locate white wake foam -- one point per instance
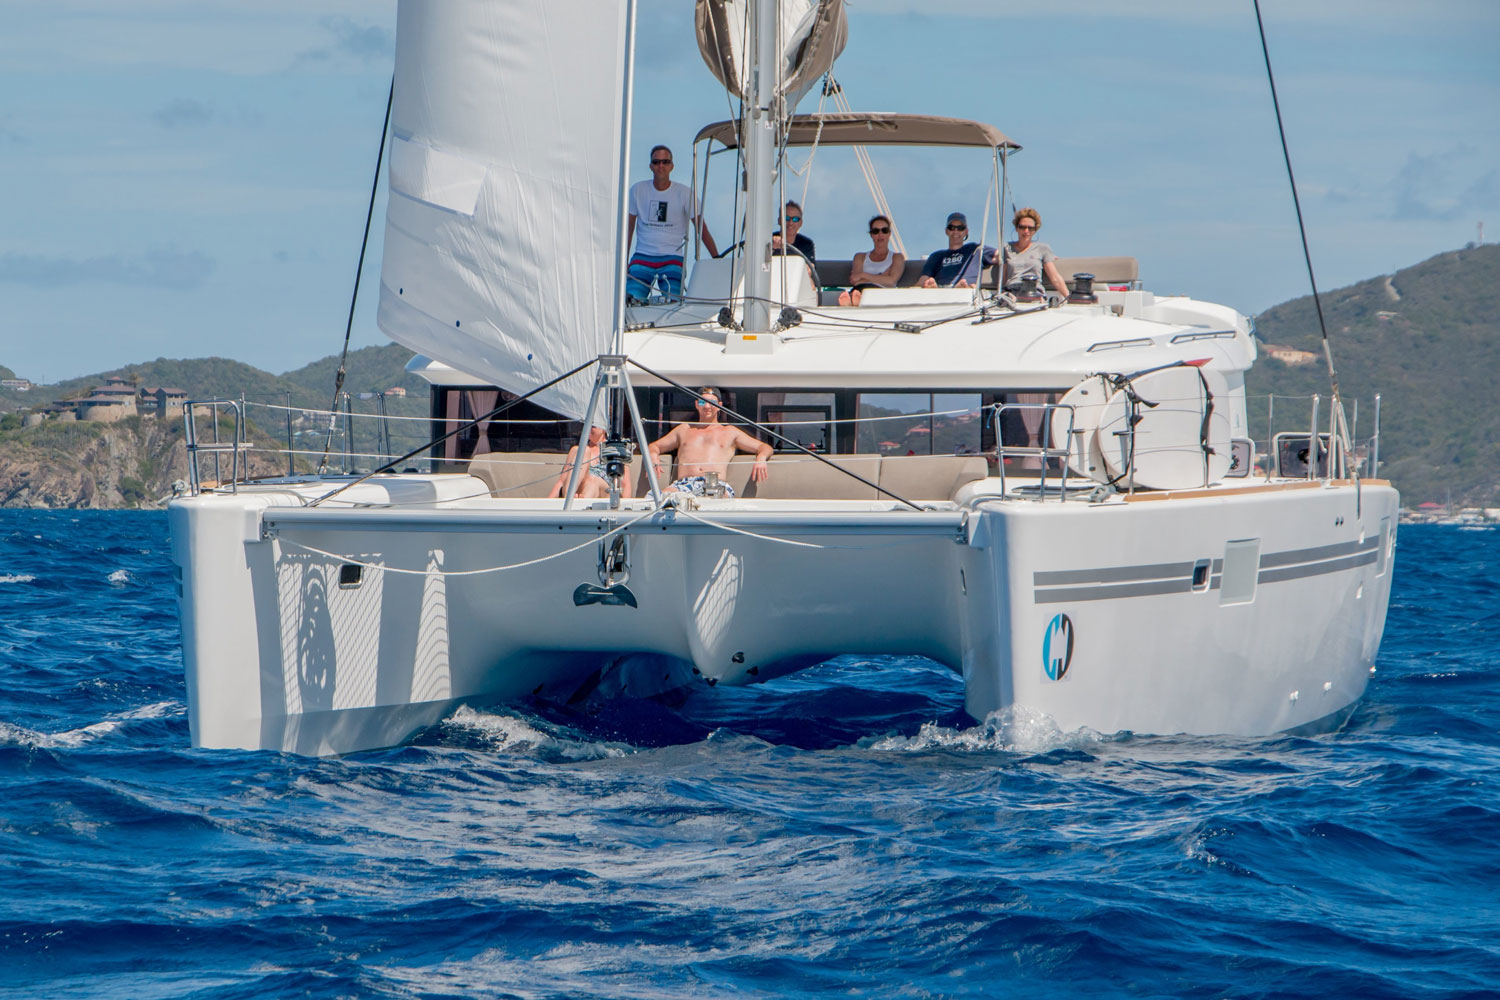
(1013, 730)
(16, 578)
(503, 729)
(120, 576)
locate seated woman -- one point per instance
(881, 267)
(1028, 258)
(593, 483)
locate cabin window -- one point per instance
(803, 417)
(920, 423)
(524, 427)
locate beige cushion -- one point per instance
(930, 477)
(794, 476)
(1106, 270)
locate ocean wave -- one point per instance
(16, 578)
(68, 738)
(15, 735)
(121, 576)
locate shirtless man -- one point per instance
(707, 446)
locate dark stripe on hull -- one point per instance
(1155, 579)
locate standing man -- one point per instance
(663, 209)
(957, 266)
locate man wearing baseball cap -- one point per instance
(958, 266)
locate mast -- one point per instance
(759, 142)
(622, 263)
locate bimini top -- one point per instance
(881, 128)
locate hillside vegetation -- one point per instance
(1427, 338)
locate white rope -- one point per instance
(741, 531)
(468, 572)
(864, 547)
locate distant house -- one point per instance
(162, 401)
(18, 384)
(114, 400)
(105, 407)
(396, 390)
(114, 387)
(1290, 355)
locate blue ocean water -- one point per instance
(843, 832)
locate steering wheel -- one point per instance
(811, 265)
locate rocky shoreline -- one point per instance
(131, 463)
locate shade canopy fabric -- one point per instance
(505, 202)
(843, 128)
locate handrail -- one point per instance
(217, 446)
(1044, 452)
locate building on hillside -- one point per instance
(396, 390)
(162, 401)
(62, 410)
(105, 407)
(18, 384)
(1290, 355)
(113, 388)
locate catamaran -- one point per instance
(1059, 498)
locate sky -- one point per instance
(189, 178)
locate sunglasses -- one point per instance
(709, 401)
(794, 218)
(958, 229)
(661, 163)
(876, 230)
(1026, 229)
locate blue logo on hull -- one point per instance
(1057, 647)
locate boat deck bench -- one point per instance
(791, 476)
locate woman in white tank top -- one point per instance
(881, 267)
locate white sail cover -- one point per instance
(505, 199)
(812, 34)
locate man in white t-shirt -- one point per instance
(662, 209)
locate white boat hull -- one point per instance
(280, 655)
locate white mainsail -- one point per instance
(505, 200)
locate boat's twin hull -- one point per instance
(325, 631)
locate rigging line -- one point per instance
(457, 430)
(1336, 404)
(780, 437)
(593, 540)
(364, 244)
(872, 179)
(1297, 203)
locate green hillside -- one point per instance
(369, 370)
(1427, 338)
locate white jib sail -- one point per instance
(504, 188)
